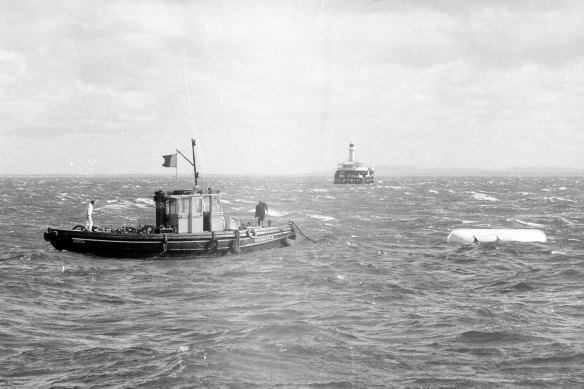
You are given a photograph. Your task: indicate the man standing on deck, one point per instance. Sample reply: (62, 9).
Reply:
(260, 212)
(88, 212)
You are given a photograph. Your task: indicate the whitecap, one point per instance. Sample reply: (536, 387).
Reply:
(566, 200)
(555, 199)
(482, 196)
(270, 212)
(321, 217)
(112, 206)
(528, 223)
(143, 200)
(275, 213)
(123, 205)
(243, 201)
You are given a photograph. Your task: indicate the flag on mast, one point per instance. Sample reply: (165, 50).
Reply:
(169, 160)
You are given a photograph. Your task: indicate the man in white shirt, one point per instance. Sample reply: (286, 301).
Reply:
(88, 212)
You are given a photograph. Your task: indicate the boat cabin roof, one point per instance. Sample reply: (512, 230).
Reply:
(181, 193)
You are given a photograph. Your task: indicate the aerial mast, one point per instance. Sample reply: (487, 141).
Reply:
(194, 163)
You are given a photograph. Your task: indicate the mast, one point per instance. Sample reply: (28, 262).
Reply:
(194, 162)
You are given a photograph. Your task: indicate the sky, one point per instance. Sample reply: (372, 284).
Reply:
(283, 87)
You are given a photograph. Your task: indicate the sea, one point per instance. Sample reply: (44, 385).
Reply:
(370, 296)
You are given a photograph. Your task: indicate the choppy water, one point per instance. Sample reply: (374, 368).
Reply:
(380, 301)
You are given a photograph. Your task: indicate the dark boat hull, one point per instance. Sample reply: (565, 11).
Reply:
(353, 180)
(349, 176)
(151, 245)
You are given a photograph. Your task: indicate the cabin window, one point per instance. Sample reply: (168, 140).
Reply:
(197, 205)
(172, 210)
(216, 204)
(184, 206)
(207, 201)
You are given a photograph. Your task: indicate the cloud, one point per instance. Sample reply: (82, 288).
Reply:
(502, 37)
(12, 67)
(417, 82)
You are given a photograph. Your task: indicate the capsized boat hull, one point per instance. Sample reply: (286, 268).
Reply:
(150, 245)
(474, 235)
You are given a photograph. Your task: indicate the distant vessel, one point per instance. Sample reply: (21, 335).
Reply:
(353, 172)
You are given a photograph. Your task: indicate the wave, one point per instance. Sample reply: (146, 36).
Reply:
(116, 206)
(530, 224)
(476, 336)
(275, 213)
(379, 295)
(321, 217)
(482, 197)
(555, 199)
(244, 201)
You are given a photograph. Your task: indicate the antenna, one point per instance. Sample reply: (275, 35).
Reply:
(194, 162)
(193, 143)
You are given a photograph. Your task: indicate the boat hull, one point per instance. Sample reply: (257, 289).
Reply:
(152, 245)
(353, 176)
(475, 235)
(353, 180)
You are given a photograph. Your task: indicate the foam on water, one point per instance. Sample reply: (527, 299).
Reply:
(275, 213)
(555, 199)
(321, 217)
(483, 197)
(530, 224)
(144, 202)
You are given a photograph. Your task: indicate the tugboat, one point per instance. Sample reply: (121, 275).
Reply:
(353, 172)
(188, 223)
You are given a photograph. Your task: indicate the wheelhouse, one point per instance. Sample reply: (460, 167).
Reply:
(188, 211)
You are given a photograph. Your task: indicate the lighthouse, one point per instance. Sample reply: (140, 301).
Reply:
(351, 152)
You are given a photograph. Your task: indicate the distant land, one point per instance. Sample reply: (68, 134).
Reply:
(380, 171)
(386, 170)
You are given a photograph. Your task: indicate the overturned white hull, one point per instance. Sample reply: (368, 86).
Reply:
(474, 235)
